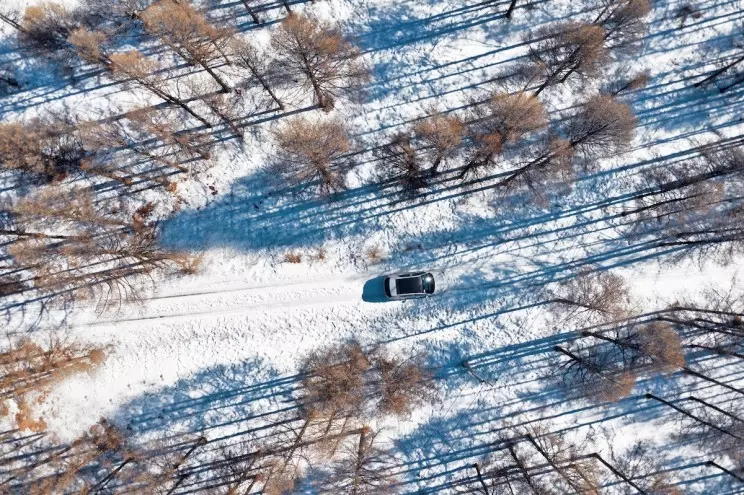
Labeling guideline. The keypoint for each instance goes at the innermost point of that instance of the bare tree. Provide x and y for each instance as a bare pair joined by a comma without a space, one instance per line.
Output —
623,21
256,63
251,11
403,385
148,144
642,463
11,17
533,460
45,27
317,53
504,118
602,127
364,468
346,380
591,297
46,148
308,150
655,346
29,368
399,161
128,66
510,10
442,135
627,84
593,373
103,257
188,33
694,205
562,50
725,65
334,382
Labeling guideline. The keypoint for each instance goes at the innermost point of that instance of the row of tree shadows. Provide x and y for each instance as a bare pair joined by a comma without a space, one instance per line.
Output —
439,456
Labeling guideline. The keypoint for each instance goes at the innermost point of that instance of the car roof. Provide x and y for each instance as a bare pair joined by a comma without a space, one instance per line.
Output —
409,285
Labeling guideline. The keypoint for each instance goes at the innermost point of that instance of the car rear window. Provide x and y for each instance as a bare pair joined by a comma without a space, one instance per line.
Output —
409,285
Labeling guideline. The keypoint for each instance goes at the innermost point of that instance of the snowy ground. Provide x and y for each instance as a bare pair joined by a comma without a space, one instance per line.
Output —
210,350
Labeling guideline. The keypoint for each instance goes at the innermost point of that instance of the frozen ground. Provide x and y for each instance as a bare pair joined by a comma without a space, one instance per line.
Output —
208,352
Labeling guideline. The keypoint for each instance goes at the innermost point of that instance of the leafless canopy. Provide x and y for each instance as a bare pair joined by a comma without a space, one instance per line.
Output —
591,297
623,21
188,33
399,161
310,152
441,136
317,53
566,49
503,119
346,380
70,249
603,127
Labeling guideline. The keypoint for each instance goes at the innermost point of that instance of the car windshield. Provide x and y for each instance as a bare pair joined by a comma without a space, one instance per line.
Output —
428,283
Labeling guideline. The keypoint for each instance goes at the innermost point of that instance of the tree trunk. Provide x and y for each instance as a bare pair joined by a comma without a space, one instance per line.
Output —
716,465
729,86
617,473
316,87
719,72
694,373
510,10
715,408
263,82
286,6
716,350
12,23
692,416
480,478
178,483
110,476
359,462
35,235
175,101
522,469
223,84
251,12
553,465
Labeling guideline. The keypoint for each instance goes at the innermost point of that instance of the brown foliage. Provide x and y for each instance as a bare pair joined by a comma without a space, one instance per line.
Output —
504,118
317,53
48,149
623,21
88,44
566,49
661,344
308,150
442,134
132,64
188,33
593,373
403,386
46,27
28,370
334,382
102,256
363,467
590,297
344,380
399,161
602,127
626,85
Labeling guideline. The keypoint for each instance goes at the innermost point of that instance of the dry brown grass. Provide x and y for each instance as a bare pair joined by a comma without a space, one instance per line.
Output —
292,257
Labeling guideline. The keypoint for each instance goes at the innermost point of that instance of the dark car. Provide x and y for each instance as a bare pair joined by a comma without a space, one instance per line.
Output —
409,285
